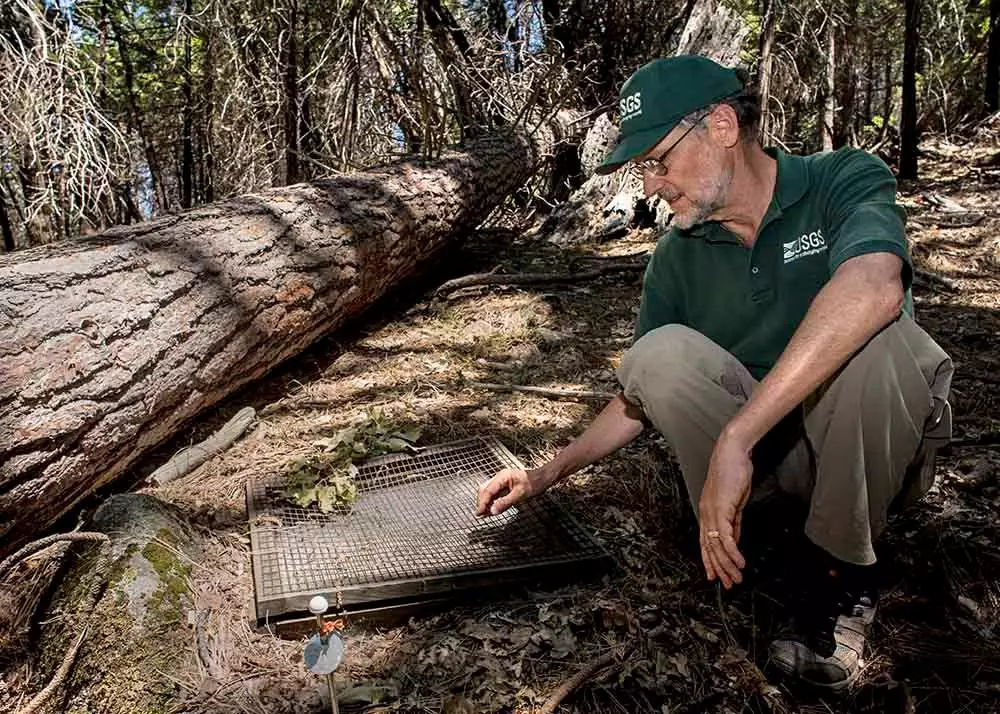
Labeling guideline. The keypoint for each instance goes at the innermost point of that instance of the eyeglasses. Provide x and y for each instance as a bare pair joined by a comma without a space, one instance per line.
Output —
656,167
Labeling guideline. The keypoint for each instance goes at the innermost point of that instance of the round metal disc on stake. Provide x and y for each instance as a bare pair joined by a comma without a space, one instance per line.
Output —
318,605
323,657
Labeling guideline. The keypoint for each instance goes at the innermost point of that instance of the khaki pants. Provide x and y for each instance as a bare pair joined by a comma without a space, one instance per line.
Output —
849,450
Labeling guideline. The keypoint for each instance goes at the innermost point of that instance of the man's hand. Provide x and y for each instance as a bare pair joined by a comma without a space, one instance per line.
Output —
726,491
508,487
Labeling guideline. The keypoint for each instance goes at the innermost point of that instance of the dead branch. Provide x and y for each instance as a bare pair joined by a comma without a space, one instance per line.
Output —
578,679
543,391
536,278
57,681
85,609
986,439
187,460
43,543
931,281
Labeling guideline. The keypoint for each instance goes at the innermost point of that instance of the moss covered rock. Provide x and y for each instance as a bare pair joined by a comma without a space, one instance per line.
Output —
138,643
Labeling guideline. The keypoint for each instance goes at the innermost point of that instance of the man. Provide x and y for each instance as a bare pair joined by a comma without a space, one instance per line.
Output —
774,336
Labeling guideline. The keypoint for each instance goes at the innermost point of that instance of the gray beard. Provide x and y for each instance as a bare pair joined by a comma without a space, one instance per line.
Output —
701,210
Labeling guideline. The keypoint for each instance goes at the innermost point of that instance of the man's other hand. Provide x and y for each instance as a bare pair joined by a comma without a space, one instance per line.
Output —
720,511
507,488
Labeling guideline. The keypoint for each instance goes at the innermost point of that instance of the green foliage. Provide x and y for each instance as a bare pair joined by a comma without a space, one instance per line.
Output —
327,478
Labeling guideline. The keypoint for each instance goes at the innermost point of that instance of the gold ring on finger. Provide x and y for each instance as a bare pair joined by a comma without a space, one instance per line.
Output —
713,535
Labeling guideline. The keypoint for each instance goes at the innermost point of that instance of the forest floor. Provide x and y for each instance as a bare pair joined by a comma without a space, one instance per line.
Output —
936,645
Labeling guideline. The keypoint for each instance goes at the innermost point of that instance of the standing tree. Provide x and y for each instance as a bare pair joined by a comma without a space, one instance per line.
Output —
828,94
992,95
769,24
908,130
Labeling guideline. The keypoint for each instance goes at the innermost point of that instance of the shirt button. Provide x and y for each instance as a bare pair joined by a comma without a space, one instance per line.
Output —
755,270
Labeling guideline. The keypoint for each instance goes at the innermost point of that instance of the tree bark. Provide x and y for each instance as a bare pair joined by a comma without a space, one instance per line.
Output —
187,150
5,230
887,102
290,79
908,135
715,31
847,91
828,104
108,345
768,29
992,94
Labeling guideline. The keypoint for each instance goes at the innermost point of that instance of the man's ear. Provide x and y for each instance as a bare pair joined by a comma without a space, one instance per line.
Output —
724,126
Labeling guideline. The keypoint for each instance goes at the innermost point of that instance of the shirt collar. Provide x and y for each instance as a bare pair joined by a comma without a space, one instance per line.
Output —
792,181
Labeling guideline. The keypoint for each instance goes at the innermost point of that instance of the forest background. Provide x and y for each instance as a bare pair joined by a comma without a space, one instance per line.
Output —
117,111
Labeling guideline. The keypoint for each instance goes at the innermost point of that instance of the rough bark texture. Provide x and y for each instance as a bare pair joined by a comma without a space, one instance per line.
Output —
766,47
108,345
909,136
828,97
715,31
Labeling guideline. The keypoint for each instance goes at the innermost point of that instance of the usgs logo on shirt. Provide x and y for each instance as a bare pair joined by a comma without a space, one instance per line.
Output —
630,107
805,245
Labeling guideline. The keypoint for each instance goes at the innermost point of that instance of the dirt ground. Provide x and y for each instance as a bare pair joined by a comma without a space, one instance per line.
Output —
936,646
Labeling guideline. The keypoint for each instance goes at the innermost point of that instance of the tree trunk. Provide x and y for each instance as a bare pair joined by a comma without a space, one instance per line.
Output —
290,77
992,95
135,116
715,31
886,98
847,91
108,345
5,230
446,38
828,104
866,114
187,151
768,30
908,135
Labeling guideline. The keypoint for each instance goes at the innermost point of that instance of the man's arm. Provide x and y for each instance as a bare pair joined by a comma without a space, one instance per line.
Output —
618,424
863,296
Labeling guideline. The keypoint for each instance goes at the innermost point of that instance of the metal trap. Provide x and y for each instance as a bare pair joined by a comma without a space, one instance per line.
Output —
412,535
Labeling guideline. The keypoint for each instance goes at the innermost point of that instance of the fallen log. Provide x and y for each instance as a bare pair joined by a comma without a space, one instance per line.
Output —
109,344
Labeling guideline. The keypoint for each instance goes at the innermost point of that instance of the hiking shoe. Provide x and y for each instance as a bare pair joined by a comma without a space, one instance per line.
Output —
827,648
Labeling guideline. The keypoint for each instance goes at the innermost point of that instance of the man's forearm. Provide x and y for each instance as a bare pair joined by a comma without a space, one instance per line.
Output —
618,424
847,312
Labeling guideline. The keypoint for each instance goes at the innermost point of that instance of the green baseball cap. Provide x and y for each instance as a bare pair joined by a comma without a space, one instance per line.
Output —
659,95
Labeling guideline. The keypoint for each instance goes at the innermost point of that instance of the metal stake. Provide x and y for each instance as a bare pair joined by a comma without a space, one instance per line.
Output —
318,606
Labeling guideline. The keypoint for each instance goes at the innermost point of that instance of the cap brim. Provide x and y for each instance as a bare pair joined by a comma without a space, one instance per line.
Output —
632,147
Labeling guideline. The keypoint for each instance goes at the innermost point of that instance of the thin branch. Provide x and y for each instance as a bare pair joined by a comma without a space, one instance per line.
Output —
537,278
544,391
582,677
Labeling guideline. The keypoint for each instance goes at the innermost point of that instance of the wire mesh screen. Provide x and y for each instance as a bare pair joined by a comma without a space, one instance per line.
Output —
411,532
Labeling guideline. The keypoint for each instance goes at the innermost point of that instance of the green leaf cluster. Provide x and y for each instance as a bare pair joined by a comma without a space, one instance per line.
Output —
326,478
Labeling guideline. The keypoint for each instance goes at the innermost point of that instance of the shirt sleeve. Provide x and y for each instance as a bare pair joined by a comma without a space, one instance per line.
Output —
861,211
658,305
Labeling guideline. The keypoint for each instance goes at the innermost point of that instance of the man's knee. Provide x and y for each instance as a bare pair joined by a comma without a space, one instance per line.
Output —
659,357
675,357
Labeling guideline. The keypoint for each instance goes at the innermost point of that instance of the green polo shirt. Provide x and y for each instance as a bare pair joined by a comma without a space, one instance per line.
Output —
826,209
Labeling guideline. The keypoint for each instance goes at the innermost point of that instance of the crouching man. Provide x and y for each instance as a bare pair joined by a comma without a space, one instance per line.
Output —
775,335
